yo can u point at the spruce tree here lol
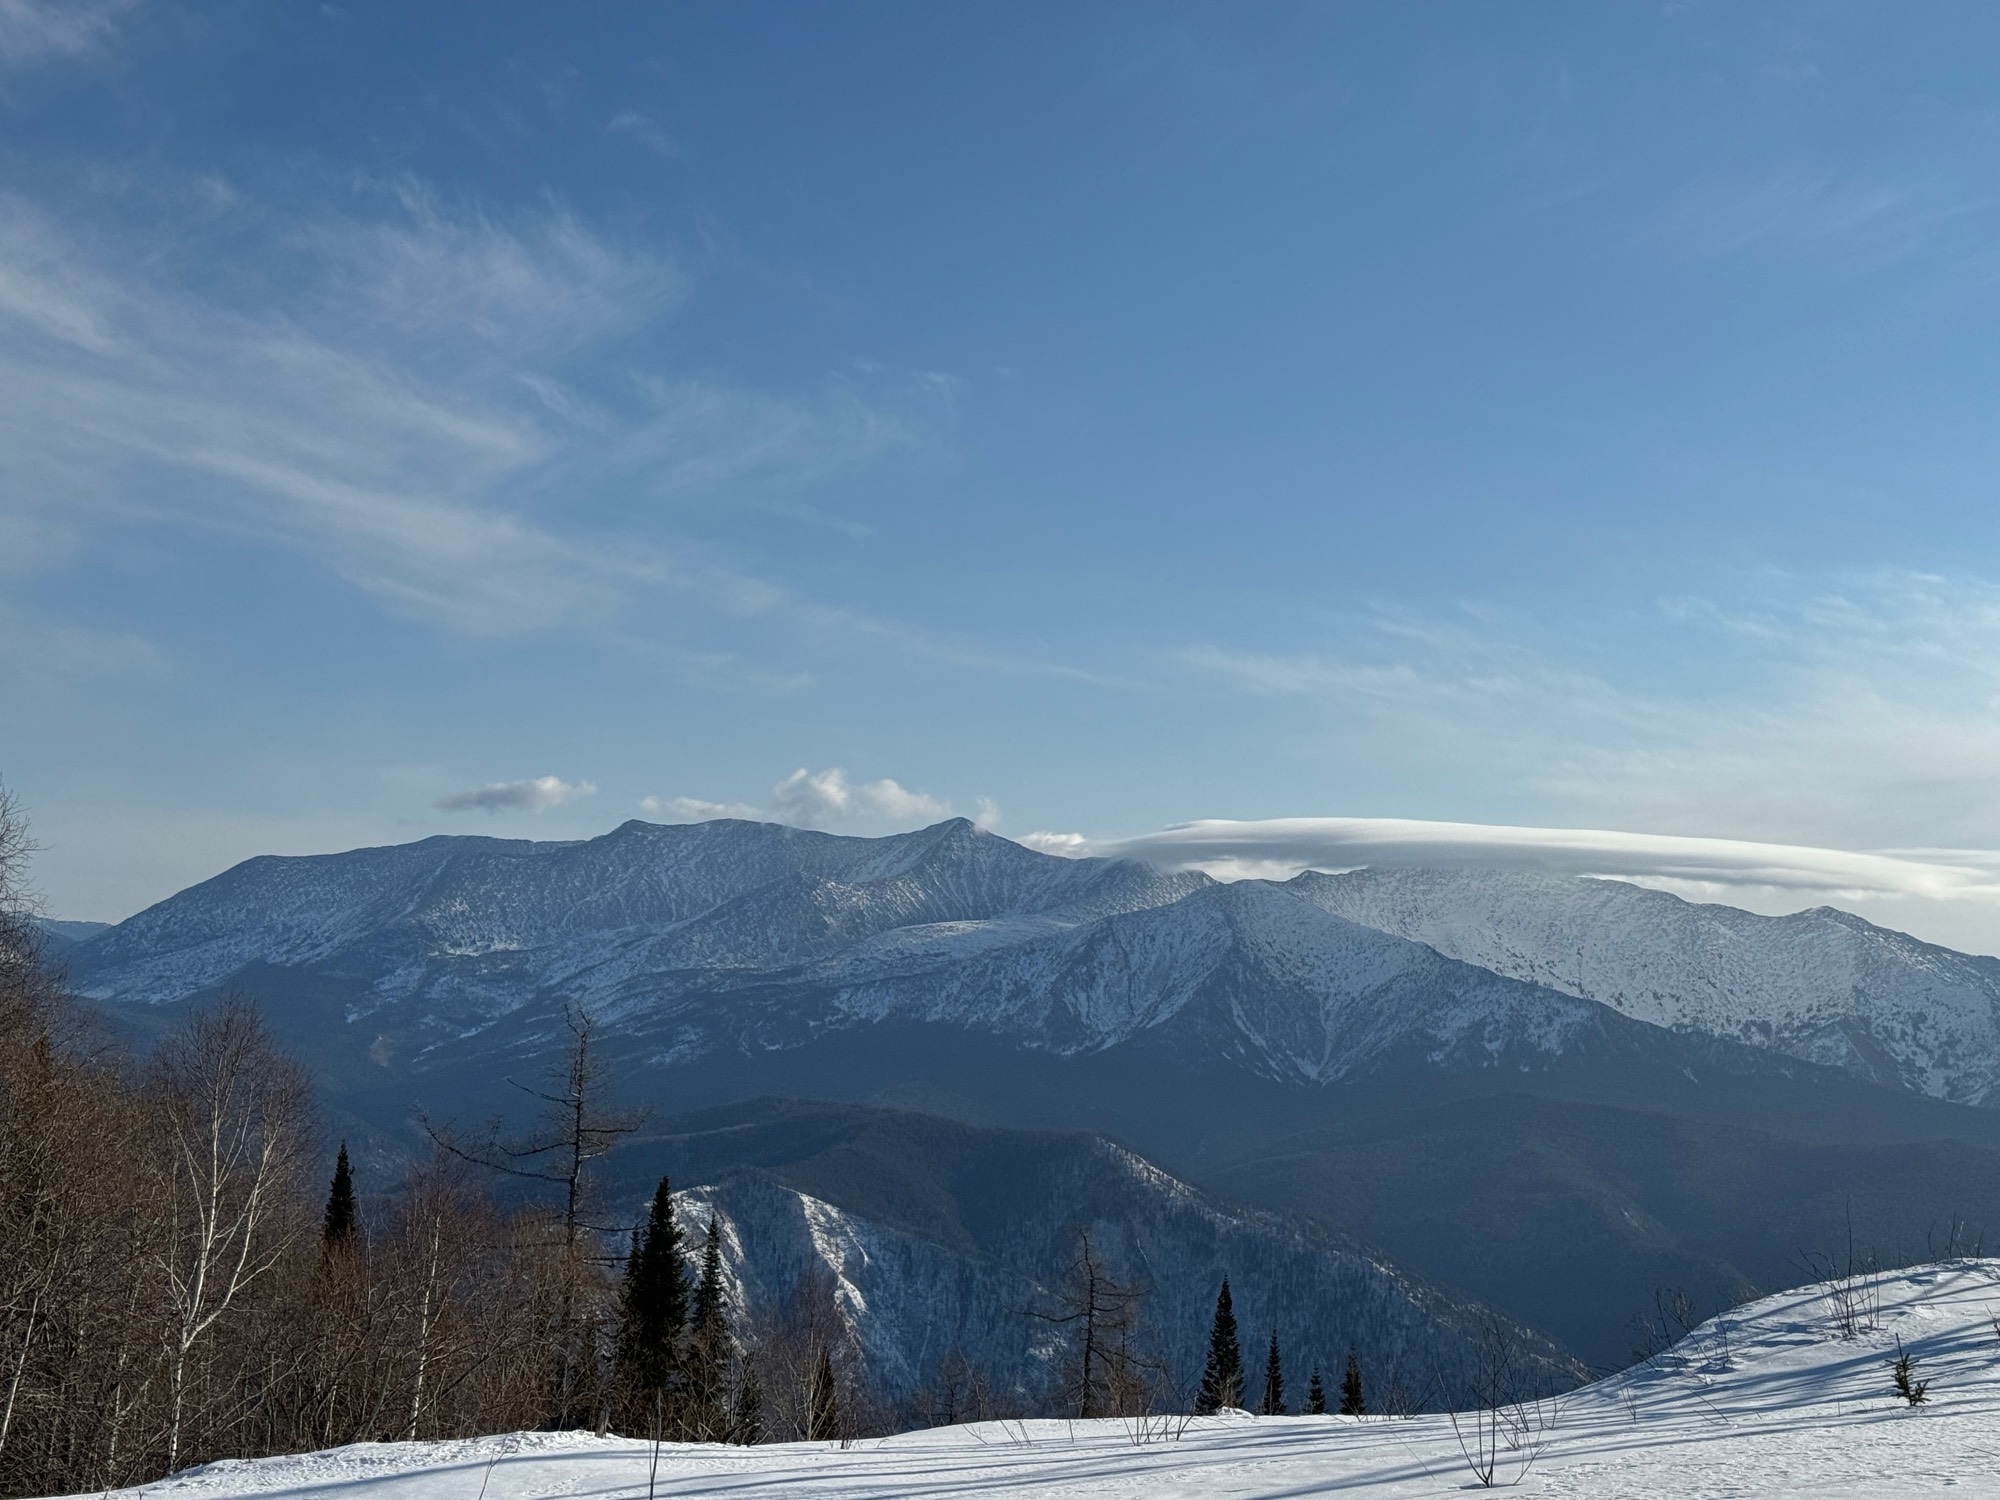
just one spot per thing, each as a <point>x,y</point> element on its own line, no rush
<point>708,1345</point>
<point>1315,1396</point>
<point>1273,1404</point>
<point>1222,1377</point>
<point>342,1222</point>
<point>653,1308</point>
<point>1351,1404</point>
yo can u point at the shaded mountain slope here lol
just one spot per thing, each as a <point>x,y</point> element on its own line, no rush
<point>942,1236</point>
<point>1560,1211</point>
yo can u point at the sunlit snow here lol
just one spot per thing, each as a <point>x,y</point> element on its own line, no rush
<point>1790,1396</point>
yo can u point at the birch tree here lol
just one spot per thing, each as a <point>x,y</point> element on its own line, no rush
<point>233,1119</point>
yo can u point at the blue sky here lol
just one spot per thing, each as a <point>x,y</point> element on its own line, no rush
<point>1088,418</point>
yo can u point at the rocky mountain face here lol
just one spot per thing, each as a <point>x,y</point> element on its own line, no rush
<point>940,1238</point>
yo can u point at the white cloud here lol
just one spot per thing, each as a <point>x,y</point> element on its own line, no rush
<point>989,815</point>
<point>694,809</point>
<point>811,799</point>
<point>1285,846</point>
<point>535,795</point>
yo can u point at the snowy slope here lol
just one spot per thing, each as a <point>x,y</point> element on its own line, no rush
<point>1247,971</point>
<point>1769,1402</point>
<point>499,918</point>
<point>1820,985</point>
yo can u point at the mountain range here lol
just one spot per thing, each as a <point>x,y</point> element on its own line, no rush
<point>1483,1072</point>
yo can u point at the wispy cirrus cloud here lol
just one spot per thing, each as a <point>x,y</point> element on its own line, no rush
<point>536,794</point>
<point>1857,712</point>
<point>404,412</point>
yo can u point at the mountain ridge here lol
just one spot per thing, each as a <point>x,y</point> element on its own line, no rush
<point>448,937</point>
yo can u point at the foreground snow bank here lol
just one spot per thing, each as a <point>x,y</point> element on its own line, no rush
<point>1790,1396</point>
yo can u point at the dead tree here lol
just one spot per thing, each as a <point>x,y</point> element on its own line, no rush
<point>1096,1316</point>
<point>576,1128</point>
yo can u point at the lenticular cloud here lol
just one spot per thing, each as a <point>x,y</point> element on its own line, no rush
<point>1280,847</point>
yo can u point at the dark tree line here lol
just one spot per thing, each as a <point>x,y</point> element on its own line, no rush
<point>1222,1383</point>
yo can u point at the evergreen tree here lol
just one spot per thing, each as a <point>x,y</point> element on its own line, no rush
<point>343,1223</point>
<point>822,1399</point>
<point>708,1346</point>
<point>1351,1404</point>
<point>1222,1377</point>
<point>1315,1396</point>
<point>1273,1404</point>
<point>653,1308</point>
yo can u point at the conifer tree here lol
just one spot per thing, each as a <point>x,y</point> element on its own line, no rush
<point>1315,1396</point>
<point>1222,1377</point>
<point>342,1222</point>
<point>1351,1404</point>
<point>708,1345</point>
<point>1273,1404</point>
<point>653,1308</point>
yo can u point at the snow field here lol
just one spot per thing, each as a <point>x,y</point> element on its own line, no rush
<point>1787,1397</point>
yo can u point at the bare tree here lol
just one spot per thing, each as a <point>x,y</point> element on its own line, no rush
<point>1096,1316</point>
<point>956,1390</point>
<point>1508,1419</point>
<point>813,1380</point>
<point>233,1121</point>
<point>576,1128</point>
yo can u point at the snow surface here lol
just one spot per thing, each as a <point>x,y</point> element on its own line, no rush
<point>1767,1401</point>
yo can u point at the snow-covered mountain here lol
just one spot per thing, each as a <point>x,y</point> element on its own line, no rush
<point>746,939</point>
<point>1820,985</point>
<point>472,928</point>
